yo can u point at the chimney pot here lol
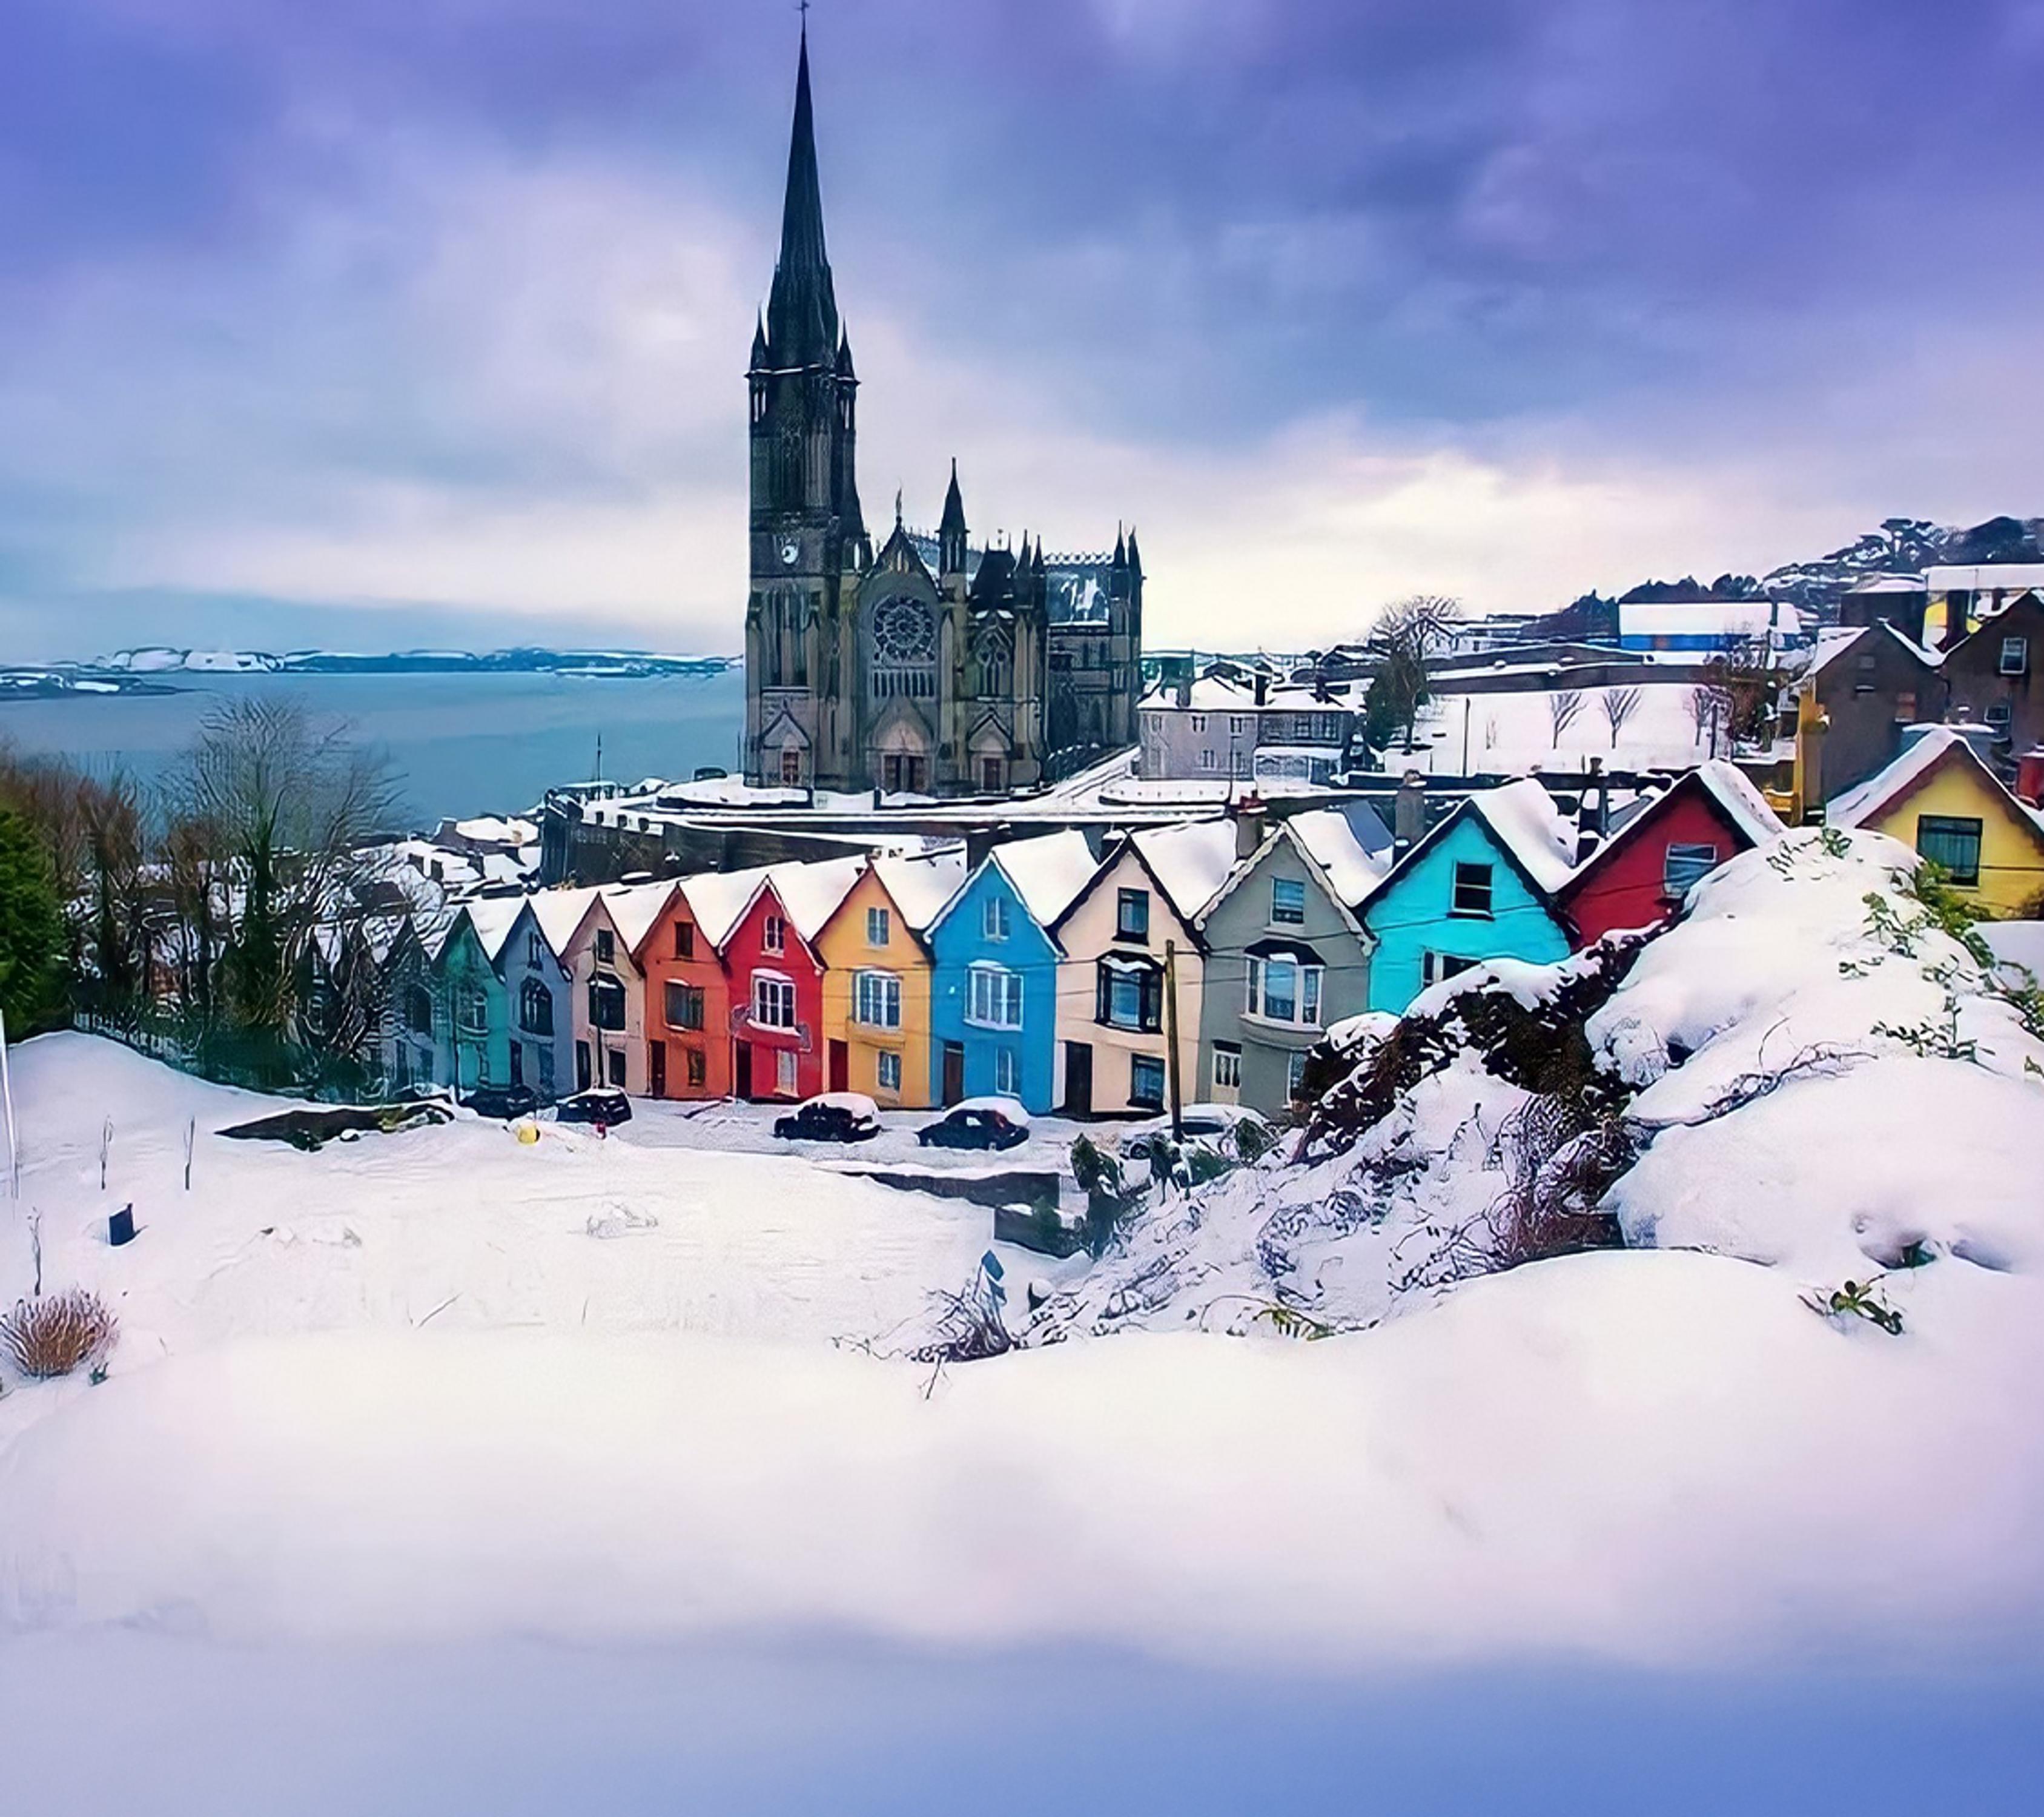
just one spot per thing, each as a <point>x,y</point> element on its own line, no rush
<point>1249,821</point>
<point>1408,812</point>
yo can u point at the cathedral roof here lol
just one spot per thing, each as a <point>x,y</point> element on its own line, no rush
<point>953,522</point>
<point>802,308</point>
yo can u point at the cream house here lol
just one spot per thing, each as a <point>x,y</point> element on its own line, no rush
<point>1127,945</point>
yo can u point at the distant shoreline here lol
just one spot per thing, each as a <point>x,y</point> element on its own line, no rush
<point>172,672</point>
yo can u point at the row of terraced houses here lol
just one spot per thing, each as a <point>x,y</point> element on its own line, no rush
<point>1055,969</point>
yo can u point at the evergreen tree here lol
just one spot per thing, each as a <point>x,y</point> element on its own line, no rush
<point>32,932</point>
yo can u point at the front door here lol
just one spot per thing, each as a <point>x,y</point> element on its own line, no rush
<point>656,1068</point>
<point>741,1068</point>
<point>584,1075</point>
<point>840,1067</point>
<point>1078,1078</point>
<point>954,1071</point>
<point>518,1062</point>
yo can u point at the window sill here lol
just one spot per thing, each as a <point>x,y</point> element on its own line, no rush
<point>1310,1031</point>
<point>995,1027</point>
<point>1471,915</point>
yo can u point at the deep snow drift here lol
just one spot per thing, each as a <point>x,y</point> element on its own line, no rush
<point>440,1384</point>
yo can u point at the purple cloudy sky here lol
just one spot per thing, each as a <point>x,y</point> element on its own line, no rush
<point>376,322</point>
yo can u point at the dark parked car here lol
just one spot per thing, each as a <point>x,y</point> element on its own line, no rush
<point>837,1116</point>
<point>1000,1123</point>
<point>504,1101</point>
<point>605,1105</point>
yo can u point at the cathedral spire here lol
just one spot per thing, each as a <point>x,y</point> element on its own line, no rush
<point>801,309</point>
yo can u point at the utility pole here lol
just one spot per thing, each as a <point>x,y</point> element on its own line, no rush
<point>7,1101</point>
<point>1175,1083</point>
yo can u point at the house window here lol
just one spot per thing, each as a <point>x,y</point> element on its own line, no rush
<point>993,997</point>
<point>697,1067</point>
<point>876,927</point>
<point>1288,902</point>
<point>1238,763</point>
<point>472,1011</point>
<point>1007,1072</point>
<point>418,1009</point>
<point>1295,1075</point>
<point>773,935</point>
<point>1953,844</point>
<point>607,946</point>
<point>887,1071</point>
<point>606,1003</point>
<point>1131,915</point>
<point>994,918</point>
<point>877,999</point>
<point>773,1001</point>
<point>536,950</point>
<point>1146,1081</point>
<point>536,1008</point>
<point>791,768</point>
<point>1685,866</point>
<point>1128,996</point>
<point>1239,723</point>
<point>1208,760</point>
<point>1284,990</point>
<point>614,1064</point>
<point>684,1006</point>
<point>784,1072</point>
<point>1197,722</point>
<point>1998,716</point>
<point>1472,890</point>
<point>685,940</point>
<point>1227,1067</point>
<point>1436,966</point>
<point>2014,656</point>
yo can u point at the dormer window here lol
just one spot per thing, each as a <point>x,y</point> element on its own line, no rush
<point>1473,890</point>
<point>773,935</point>
<point>607,946</point>
<point>1131,915</point>
<point>994,918</point>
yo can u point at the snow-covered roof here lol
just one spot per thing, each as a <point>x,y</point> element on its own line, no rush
<point>1933,748</point>
<point>921,886</point>
<point>1523,819</point>
<point>1984,577</point>
<point>493,917</point>
<point>635,907</point>
<point>560,913</point>
<point>811,892</point>
<point>1887,583</point>
<point>1743,804</point>
<point>1329,837</point>
<point>1224,694</point>
<point>1191,863</point>
<point>717,898</point>
<point>1047,873</point>
<point>497,829</point>
<point>1834,642</point>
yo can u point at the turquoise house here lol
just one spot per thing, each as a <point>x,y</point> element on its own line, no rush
<point>502,1014</point>
<point>1480,886</point>
<point>993,984</point>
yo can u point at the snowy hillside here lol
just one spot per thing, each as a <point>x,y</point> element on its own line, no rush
<point>445,1383</point>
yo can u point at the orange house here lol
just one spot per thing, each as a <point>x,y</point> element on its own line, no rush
<point>688,992</point>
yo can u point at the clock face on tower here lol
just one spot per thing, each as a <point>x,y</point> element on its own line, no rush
<point>789,551</point>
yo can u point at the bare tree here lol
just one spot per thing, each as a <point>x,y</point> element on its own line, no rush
<point>275,809</point>
<point>1709,708</point>
<point>1563,705</point>
<point>1407,635</point>
<point>1620,705</point>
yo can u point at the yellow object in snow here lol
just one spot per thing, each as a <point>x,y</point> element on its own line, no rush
<point>528,1133</point>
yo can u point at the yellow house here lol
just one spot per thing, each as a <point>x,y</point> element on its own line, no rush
<point>876,978</point>
<point>1941,800</point>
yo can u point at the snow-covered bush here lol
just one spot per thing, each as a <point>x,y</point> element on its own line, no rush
<point>57,1333</point>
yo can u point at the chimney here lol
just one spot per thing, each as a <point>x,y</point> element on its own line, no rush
<point>1409,813</point>
<point>978,842</point>
<point>1262,688</point>
<point>1590,816</point>
<point>1250,825</point>
<point>2030,775</point>
<point>1185,685</point>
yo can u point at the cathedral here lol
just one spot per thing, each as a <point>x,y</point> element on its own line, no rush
<point>928,666</point>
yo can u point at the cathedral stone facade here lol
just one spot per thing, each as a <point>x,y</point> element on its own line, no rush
<point>945,670</point>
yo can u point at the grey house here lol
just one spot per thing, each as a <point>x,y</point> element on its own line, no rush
<point>1286,956</point>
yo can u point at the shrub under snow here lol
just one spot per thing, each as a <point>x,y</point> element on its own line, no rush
<point>57,1333</point>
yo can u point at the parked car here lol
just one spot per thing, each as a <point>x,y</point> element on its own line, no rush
<point>978,1122</point>
<point>504,1102</point>
<point>837,1116</point>
<point>1205,1125</point>
<point>604,1104</point>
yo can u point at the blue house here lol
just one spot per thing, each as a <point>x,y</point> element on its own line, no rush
<point>994,985</point>
<point>1480,886</point>
<point>503,1016</point>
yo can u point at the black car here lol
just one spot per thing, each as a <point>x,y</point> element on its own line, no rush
<point>604,1104</point>
<point>843,1116</point>
<point>502,1101</point>
<point>974,1126</point>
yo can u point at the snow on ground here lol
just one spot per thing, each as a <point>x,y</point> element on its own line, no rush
<point>442,1385</point>
<point>1510,734</point>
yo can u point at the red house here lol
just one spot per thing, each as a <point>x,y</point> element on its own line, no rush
<point>1639,876</point>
